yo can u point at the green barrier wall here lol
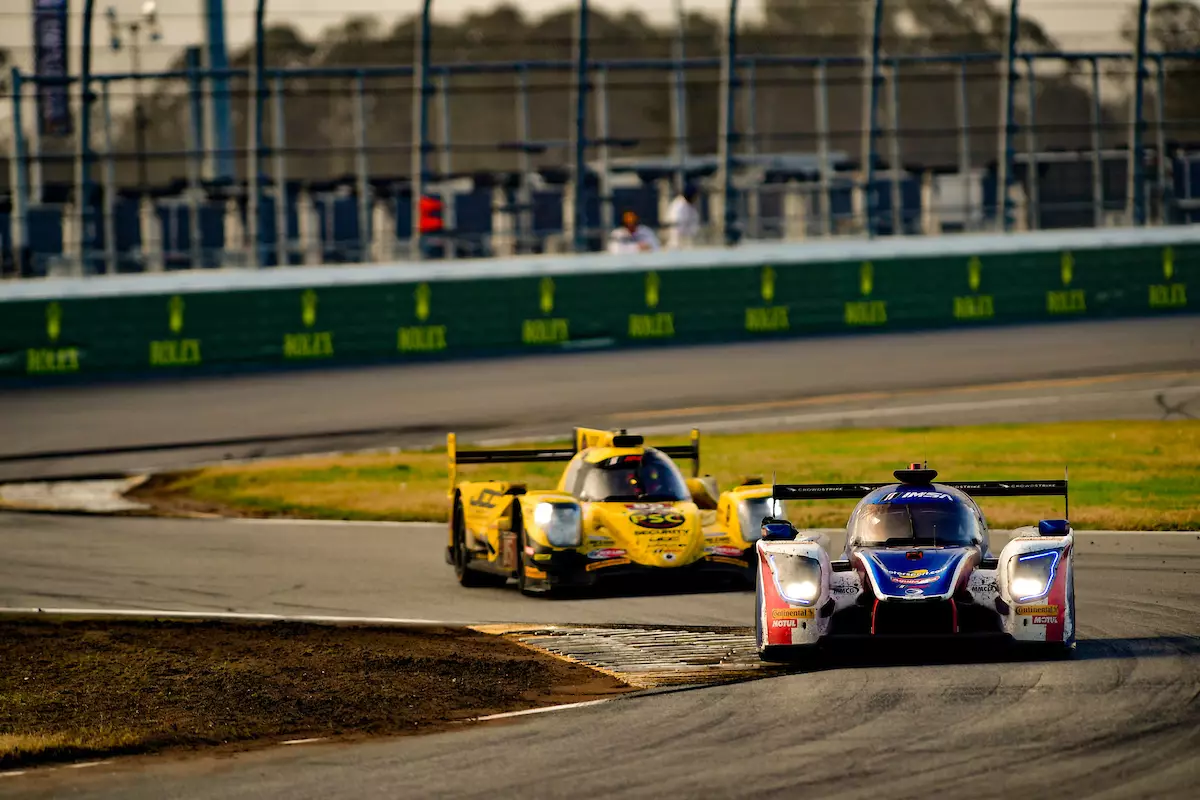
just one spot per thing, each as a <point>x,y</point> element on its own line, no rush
<point>49,337</point>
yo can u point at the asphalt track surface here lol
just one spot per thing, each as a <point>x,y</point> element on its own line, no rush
<point>61,431</point>
<point>1121,720</point>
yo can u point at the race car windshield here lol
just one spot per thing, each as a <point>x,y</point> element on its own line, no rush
<point>647,477</point>
<point>904,524</point>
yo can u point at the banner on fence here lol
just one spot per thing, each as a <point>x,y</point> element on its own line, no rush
<point>50,52</point>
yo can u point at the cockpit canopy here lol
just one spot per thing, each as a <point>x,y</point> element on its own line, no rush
<point>648,476</point>
<point>908,515</point>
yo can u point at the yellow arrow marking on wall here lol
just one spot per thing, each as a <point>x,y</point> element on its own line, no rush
<point>53,321</point>
<point>1068,268</point>
<point>651,289</point>
<point>866,278</point>
<point>1168,263</point>
<point>768,285</point>
<point>546,290</point>
<point>974,273</point>
<point>422,295</point>
<point>175,314</point>
<point>308,308</point>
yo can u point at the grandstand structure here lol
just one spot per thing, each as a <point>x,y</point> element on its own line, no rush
<point>877,145</point>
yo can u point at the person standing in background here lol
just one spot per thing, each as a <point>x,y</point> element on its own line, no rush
<point>684,219</point>
<point>632,236</point>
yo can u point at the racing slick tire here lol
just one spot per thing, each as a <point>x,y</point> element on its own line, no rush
<point>470,578</point>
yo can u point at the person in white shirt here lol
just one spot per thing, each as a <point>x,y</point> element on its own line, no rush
<point>684,219</point>
<point>632,236</point>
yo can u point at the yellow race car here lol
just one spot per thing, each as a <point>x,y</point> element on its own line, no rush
<point>620,509</point>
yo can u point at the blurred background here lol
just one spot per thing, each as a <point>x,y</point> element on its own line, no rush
<point>236,133</point>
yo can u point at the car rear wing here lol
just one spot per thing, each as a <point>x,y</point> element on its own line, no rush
<point>583,439</point>
<point>857,491</point>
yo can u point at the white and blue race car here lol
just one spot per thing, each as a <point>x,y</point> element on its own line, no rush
<point>917,563</point>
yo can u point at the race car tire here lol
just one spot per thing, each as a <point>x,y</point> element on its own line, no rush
<point>467,577</point>
<point>796,655</point>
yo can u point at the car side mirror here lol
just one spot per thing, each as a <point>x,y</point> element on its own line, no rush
<point>1054,527</point>
<point>704,491</point>
<point>778,530</point>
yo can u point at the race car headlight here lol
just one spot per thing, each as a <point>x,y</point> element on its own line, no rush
<point>797,578</point>
<point>1032,575</point>
<point>751,513</point>
<point>560,523</point>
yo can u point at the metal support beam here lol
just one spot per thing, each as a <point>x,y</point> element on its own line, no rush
<point>581,93</point>
<point>728,143</point>
<point>872,45</point>
<point>1136,196</point>
<point>1160,114</point>
<point>1008,128</point>
<point>602,133</point>
<point>524,226</point>
<point>421,145</point>
<point>258,93</point>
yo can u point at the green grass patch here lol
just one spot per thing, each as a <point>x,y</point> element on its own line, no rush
<point>1124,475</point>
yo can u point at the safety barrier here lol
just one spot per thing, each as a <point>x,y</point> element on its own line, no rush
<point>223,318</point>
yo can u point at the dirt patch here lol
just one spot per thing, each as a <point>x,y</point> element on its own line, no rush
<point>72,689</point>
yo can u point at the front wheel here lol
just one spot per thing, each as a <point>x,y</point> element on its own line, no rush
<point>528,586</point>
<point>467,577</point>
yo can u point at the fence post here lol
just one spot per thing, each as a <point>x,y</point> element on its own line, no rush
<point>871,47</point>
<point>524,238</point>
<point>1160,112</point>
<point>581,92</point>
<point>679,96</point>
<point>195,153</point>
<point>1097,143</point>
<point>20,170</point>
<point>110,180</point>
<point>824,206</point>
<point>1034,213</point>
<point>420,125</point>
<point>446,168</point>
<point>362,168</point>
<point>964,144</point>
<point>83,155</point>
<point>605,154</point>
<point>221,163</point>
<point>282,239</point>
<point>1136,198</point>
<point>257,92</point>
<point>729,124</point>
<point>894,154</point>
<point>1004,163</point>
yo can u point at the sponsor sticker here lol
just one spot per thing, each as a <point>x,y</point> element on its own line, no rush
<point>658,520</point>
<point>541,556</point>
<point>606,552</point>
<point>784,623</point>
<point>1037,611</point>
<point>912,591</point>
<point>793,613</point>
<point>1045,620</point>
<point>904,496</point>
<point>616,562</point>
<point>723,550</point>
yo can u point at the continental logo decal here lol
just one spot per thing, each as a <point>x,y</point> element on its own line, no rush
<point>1037,611</point>
<point>793,613</point>
<point>657,519</point>
<point>616,562</point>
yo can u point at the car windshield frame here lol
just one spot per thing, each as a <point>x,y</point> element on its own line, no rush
<point>603,482</point>
<point>945,524</point>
